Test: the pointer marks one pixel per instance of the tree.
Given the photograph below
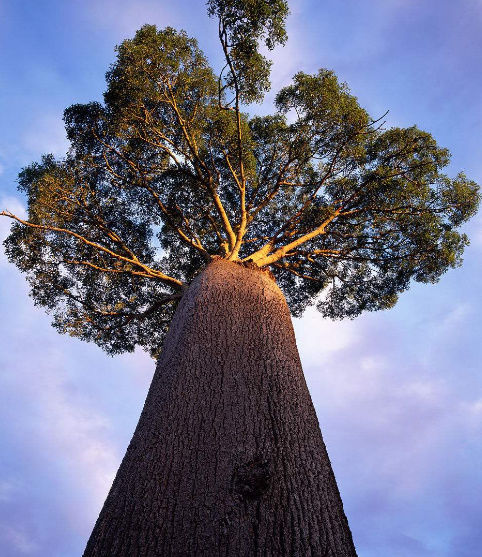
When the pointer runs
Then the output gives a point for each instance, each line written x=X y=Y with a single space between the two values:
x=168 y=175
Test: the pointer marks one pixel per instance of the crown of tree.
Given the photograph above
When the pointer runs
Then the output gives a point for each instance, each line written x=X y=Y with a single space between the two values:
x=169 y=172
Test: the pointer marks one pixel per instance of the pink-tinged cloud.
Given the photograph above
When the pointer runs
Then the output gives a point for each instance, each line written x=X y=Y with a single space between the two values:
x=398 y=394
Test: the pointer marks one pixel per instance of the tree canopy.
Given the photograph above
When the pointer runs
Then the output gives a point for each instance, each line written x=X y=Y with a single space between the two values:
x=170 y=171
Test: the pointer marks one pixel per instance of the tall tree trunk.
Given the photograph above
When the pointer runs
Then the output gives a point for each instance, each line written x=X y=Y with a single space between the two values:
x=227 y=458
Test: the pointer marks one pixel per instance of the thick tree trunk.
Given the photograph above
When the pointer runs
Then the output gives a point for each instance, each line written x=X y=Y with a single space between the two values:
x=227 y=458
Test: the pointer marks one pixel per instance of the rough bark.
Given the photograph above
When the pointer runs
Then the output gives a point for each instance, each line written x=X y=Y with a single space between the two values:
x=228 y=457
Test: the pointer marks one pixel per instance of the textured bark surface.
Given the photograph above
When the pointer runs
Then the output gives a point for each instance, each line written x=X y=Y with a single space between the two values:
x=227 y=458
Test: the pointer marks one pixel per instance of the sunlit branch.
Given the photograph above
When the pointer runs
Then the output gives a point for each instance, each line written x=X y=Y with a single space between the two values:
x=106 y=269
x=133 y=260
x=289 y=268
x=272 y=193
x=261 y=257
x=241 y=182
x=201 y=164
x=129 y=315
x=194 y=241
x=232 y=170
x=222 y=213
x=317 y=186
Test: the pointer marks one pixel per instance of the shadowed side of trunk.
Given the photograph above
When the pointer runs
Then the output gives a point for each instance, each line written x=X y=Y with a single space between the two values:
x=227 y=458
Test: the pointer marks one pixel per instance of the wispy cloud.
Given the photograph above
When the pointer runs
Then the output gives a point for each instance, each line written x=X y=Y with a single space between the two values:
x=60 y=426
x=8 y=488
x=63 y=431
x=124 y=17
x=318 y=338
x=17 y=539
x=396 y=414
x=397 y=393
x=45 y=134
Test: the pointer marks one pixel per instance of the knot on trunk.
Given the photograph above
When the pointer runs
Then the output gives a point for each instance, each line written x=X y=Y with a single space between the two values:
x=252 y=479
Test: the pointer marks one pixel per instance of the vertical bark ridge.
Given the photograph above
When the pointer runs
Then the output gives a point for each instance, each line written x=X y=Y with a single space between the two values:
x=228 y=457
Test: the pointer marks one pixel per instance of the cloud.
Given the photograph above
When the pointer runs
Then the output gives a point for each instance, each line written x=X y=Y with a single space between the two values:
x=45 y=134
x=17 y=539
x=7 y=489
x=13 y=204
x=476 y=227
x=71 y=427
x=317 y=337
x=124 y=17
x=60 y=425
x=58 y=400
x=58 y=447
x=402 y=427
x=397 y=393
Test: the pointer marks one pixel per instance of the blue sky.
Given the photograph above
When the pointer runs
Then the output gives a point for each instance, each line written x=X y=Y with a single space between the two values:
x=398 y=393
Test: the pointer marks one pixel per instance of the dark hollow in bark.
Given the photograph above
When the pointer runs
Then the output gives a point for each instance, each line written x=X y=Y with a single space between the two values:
x=228 y=457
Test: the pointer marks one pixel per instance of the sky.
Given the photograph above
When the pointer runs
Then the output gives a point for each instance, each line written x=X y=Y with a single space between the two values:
x=398 y=393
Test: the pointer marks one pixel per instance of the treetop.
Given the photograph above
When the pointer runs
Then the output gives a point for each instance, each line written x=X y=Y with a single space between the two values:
x=171 y=171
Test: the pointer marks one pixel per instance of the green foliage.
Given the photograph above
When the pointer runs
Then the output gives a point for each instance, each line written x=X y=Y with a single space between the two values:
x=242 y=25
x=168 y=172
